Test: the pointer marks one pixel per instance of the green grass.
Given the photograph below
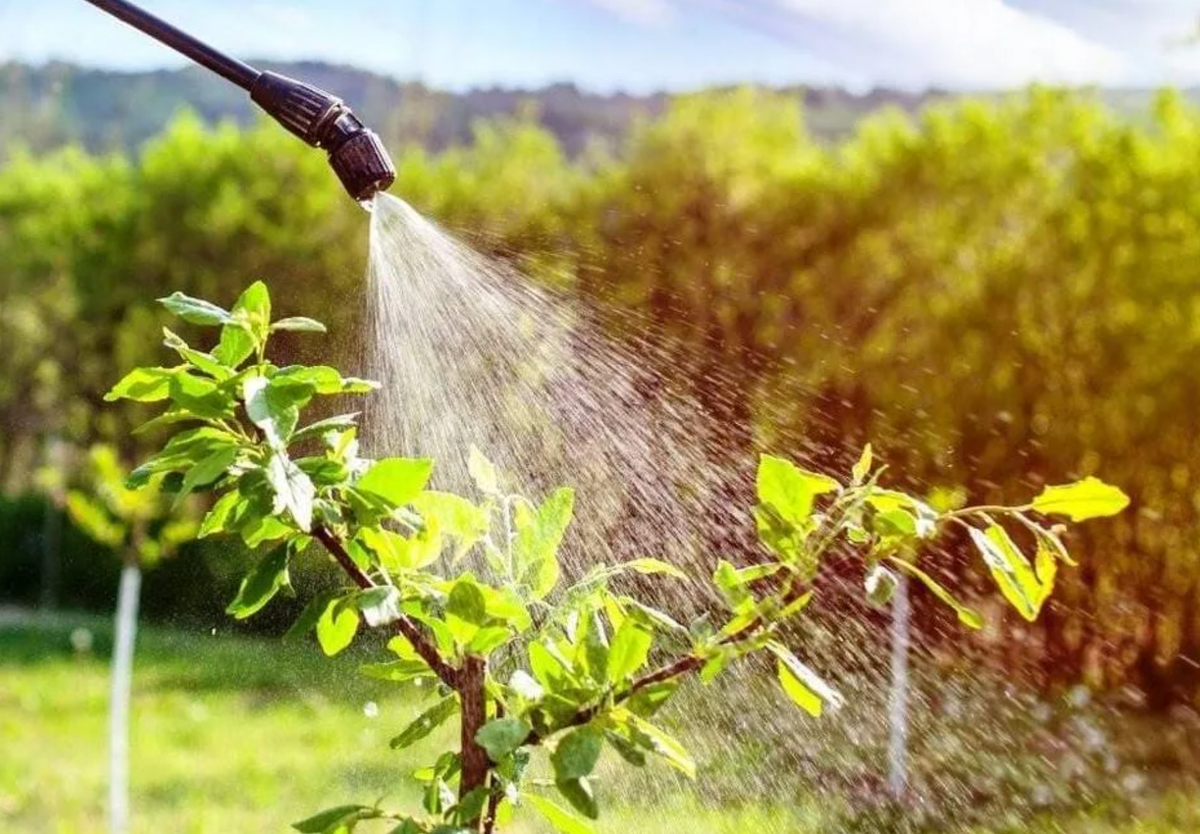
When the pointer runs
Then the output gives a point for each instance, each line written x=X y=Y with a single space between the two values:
x=232 y=734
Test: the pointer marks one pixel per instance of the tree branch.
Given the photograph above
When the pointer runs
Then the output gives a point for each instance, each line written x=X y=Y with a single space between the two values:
x=448 y=674
x=676 y=668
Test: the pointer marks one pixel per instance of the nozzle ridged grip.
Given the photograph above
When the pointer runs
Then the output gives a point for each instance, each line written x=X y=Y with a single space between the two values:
x=299 y=107
x=363 y=165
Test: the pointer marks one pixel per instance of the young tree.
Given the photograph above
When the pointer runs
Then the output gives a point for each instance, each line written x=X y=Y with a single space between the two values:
x=144 y=523
x=523 y=661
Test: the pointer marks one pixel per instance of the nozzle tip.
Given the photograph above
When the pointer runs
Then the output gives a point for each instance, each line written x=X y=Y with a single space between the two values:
x=363 y=165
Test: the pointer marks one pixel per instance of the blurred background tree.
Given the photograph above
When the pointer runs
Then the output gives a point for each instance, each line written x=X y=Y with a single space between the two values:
x=143 y=525
x=994 y=292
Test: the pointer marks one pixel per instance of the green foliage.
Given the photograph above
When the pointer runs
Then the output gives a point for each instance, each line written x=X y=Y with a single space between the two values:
x=574 y=672
x=146 y=521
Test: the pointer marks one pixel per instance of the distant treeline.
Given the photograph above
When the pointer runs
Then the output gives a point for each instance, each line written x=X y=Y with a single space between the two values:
x=47 y=106
x=997 y=295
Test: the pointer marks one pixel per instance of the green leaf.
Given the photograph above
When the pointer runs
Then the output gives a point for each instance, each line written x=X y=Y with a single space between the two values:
x=253 y=309
x=398 y=480
x=379 y=605
x=196 y=310
x=1010 y=569
x=455 y=517
x=501 y=736
x=397 y=671
x=804 y=686
x=653 y=566
x=143 y=385
x=334 y=818
x=235 y=347
x=336 y=627
x=562 y=820
x=202 y=397
x=397 y=552
x=270 y=409
x=863 y=467
x=1089 y=498
x=546 y=666
x=198 y=359
x=299 y=324
x=581 y=796
x=261 y=584
x=967 y=616
x=535 y=549
x=658 y=741
x=340 y=423
x=790 y=489
x=629 y=650
x=294 y=491
x=168 y=418
x=577 y=753
x=206 y=471
x=650 y=616
x=309 y=617
x=483 y=472
x=426 y=722
x=525 y=686
x=320 y=379
x=488 y=639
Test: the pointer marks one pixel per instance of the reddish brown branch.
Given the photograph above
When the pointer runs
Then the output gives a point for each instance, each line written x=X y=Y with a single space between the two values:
x=473 y=701
x=448 y=674
x=676 y=668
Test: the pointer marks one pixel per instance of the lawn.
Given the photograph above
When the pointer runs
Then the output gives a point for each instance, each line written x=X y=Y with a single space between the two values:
x=234 y=734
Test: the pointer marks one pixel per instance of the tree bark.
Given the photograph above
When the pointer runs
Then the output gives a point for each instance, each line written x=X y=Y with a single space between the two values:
x=473 y=699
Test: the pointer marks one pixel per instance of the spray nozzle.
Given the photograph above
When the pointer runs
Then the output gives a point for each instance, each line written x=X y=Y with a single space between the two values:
x=356 y=154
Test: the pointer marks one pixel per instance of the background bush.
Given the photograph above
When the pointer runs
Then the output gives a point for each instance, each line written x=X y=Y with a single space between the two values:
x=994 y=293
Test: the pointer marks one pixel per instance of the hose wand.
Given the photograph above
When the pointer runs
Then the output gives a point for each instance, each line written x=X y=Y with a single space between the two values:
x=322 y=120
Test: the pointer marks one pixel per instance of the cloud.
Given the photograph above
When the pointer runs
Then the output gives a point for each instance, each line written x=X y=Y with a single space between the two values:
x=955 y=43
x=643 y=12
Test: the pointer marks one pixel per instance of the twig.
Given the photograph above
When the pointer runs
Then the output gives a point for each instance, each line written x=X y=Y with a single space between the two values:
x=448 y=674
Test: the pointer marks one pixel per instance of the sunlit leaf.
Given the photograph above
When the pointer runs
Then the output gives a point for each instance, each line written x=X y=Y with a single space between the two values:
x=336 y=627
x=1011 y=570
x=790 y=489
x=967 y=616
x=398 y=480
x=196 y=310
x=483 y=472
x=299 y=324
x=804 y=686
x=1089 y=498
x=562 y=820
x=261 y=584
x=143 y=385
x=426 y=722
x=501 y=736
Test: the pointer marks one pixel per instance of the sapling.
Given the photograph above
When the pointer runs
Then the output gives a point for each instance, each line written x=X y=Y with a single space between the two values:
x=526 y=662
x=143 y=522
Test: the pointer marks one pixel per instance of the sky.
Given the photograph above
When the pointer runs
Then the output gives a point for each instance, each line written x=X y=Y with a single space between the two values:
x=644 y=45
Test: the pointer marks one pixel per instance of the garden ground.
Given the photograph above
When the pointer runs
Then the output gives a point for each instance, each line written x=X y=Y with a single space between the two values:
x=236 y=734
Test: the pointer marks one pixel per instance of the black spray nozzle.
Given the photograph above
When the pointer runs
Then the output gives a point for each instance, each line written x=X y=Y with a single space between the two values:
x=320 y=119
x=323 y=120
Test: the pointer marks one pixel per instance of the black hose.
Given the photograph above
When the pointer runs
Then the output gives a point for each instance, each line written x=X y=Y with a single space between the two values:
x=228 y=68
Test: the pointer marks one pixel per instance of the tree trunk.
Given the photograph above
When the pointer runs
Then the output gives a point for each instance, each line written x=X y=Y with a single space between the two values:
x=122 y=678
x=474 y=716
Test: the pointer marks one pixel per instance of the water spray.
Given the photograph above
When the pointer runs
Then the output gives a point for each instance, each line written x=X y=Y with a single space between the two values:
x=356 y=153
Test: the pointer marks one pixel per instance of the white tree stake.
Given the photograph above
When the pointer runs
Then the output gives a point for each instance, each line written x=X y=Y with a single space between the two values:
x=122 y=681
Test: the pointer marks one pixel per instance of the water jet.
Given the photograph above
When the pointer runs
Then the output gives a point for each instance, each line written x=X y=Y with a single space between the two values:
x=321 y=119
